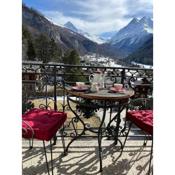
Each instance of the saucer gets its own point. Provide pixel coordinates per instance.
(80, 89)
(113, 89)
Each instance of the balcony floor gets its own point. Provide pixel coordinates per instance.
(82, 158)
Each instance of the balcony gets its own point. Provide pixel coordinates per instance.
(43, 87)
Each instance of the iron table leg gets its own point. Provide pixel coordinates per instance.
(77, 135)
(100, 132)
(117, 124)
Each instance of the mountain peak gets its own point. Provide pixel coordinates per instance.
(94, 38)
(134, 32)
(70, 26)
(147, 20)
(144, 18)
(68, 23)
(134, 21)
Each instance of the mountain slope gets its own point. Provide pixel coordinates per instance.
(37, 24)
(67, 39)
(142, 55)
(132, 36)
(107, 36)
(94, 38)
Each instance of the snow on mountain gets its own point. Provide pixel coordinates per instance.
(142, 65)
(147, 21)
(134, 31)
(94, 38)
(107, 35)
(70, 26)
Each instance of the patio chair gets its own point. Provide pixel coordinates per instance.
(141, 114)
(42, 124)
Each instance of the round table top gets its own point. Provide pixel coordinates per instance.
(103, 94)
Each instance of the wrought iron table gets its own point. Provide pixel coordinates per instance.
(88, 102)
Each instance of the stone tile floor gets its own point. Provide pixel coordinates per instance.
(82, 158)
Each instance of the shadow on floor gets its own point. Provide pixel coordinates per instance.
(83, 160)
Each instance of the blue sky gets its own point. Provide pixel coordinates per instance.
(93, 16)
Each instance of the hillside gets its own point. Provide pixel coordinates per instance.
(143, 55)
(129, 38)
(36, 27)
(66, 39)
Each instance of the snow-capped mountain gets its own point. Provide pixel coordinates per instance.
(144, 54)
(134, 31)
(107, 35)
(70, 26)
(131, 37)
(148, 22)
(36, 24)
(94, 38)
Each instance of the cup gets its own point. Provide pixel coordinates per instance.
(118, 87)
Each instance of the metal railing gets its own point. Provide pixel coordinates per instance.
(38, 79)
(46, 82)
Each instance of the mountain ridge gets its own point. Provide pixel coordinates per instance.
(67, 39)
(70, 26)
(133, 35)
(143, 54)
(36, 23)
(95, 38)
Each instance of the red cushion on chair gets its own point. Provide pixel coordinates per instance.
(45, 123)
(142, 118)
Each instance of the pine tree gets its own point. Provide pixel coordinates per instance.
(72, 58)
(54, 51)
(74, 74)
(31, 51)
(28, 50)
(25, 33)
(42, 48)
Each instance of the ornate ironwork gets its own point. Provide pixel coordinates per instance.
(39, 78)
(47, 81)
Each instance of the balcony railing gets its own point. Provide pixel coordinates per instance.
(45, 80)
(45, 83)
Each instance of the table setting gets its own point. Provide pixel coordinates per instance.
(96, 96)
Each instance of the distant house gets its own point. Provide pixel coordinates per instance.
(31, 74)
(30, 78)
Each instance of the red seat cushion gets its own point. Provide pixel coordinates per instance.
(45, 123)
(142, 118)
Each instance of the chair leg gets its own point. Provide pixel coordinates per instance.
(145, 141)
(150, 158)
(31, 143)
(126, 136)
(55, 140)
(51, 156)
(63, 141)
(124, 128)
(46, 157)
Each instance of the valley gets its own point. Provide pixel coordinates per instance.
(128, 45)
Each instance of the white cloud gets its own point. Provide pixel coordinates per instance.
(97, 16)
